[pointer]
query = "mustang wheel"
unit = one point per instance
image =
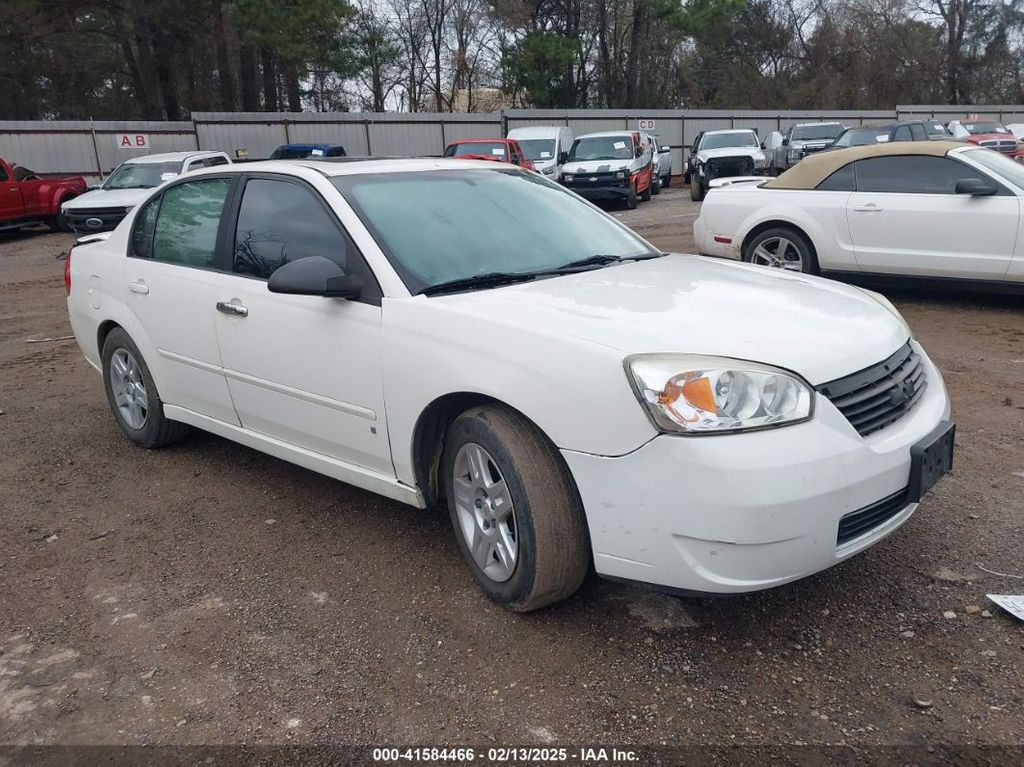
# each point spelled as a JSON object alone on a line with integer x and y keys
{"x": 782, "y": 248}
{"x": 132, "y": 394}
{"x": 516, "y": 512}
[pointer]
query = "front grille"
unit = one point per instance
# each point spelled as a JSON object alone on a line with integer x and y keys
{"x": 856, "y": 523}
{"x": 724, "y": 167}
{"x": 108, "y": 218}
{"x": 98, "y": 212}
{"x": 883, "y": 393}
{"x": 1003, "y": 145}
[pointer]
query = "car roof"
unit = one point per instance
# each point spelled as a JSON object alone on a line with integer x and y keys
{"x": 815, "y": 168}
{"x": 479, "y": 140}
{"x": 603, "y": 133}
{"x": 172, "y": 157}
{"x": 819, "y": 122}
{"x": 305, "y": 147}
{"x": 730, "y": 130}
{"x": 331, "y": 167}
{"x": 536, "y": 131}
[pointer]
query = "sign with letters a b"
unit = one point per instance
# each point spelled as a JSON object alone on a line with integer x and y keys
{"x": 132, "y": 141}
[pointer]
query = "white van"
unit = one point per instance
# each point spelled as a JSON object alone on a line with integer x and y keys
{"x": 546, "y": 146}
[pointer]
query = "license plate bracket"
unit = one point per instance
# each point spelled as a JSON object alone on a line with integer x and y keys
{"x": 930, "y": 458}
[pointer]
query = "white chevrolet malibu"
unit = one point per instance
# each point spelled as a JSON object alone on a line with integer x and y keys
{"x": 476, "y": 333}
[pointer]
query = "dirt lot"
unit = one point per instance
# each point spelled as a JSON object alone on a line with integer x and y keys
{"x": 210, "y": 594}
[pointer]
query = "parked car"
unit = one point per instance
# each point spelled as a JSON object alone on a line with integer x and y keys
{"x": 546, "y": 146}
{"x": 102, "y": 209}
{"x": 801, "y": 140}
{"x": 492, "y": 149}
{"x": 927, "y": 209}
{"x": 988, "y": 133}
{"x": 302, "y": 151}
{"x": 414, "y": 328}
{"x": 662, "y": 159}
{"x": 881, "y": 133}
{"x": 1017, "y": 129}
{"x": 610, "y": 166}
{"x": 720, "y": 154}
{"x": 26, "y": 199}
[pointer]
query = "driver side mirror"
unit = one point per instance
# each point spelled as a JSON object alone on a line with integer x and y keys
{"x": 665, "y": 148}
{"x": 314, "y": 276}
{"x": 975, "y": 187}
{"x": 563, "y": 158}
{"x": 785, "y": 141}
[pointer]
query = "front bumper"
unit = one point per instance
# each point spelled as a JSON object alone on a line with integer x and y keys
{"x": 744, "y": 512}
{"x": 602, "y": 191}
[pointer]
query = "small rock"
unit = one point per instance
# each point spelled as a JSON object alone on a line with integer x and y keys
{"x": 952, "y": 576}
{"x": 923, "y": 702}
{"x": 2, "y": 411}
{"x": 986, "y": 614}
{"x": 988, "y": 653}
{"x": 949, "y": 615}
{"x": 35, "y": 534}
{"x": 908, "y": 634}
{"x": 972, "y": 609}
{"x": 52, "y": 538}
{"x": 271, "y": 521}
{"x": 181, "y": 723}
{"x": 149, "y": 674}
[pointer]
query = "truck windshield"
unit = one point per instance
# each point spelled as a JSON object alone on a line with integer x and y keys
{"x": 985, "y": 126}
{"x": 602, "y": 148}
{"x": 142, "y": 175}
{"x": 862, "y": 137}
{"x": 811, "y": 132}
{"x": 492, "y": 149}
{"x": 728, "y": 140}
{"x": 439, "y": 226}
{"x": 538, "y": 148}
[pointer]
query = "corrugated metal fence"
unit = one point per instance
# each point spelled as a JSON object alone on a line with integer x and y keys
{"x": 91, "y": 148}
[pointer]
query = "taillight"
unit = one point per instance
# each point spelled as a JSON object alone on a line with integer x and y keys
{"x": 67, "y": 272}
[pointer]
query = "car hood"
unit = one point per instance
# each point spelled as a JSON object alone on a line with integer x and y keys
{"x": 108, "y": 198}
{"x": 596, "y": 166}
{"x": 731, "y": 151}
{"x": 818, "y": 328}
{"x": 810, "y": 143}
{"x": 977, "y": 138}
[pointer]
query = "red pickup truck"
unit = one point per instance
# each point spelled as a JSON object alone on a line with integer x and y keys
{"x": 28, "y": 200}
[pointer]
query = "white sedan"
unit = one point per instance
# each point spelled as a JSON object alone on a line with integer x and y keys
{"x": 937, "y": 210}
{"x": 472, "y": 332}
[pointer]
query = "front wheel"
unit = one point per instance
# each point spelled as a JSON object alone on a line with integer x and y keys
{"x": 655, "y": 185}
{"x": 517, "y": 515}
{"x": 697, "y": 190}
{"x": 631, "y": 198}
{"x": 666, "y": 181}
{"x": 132, "y": 394}
{"x": 782, "y": 248}
{"x": 646, "y": 194}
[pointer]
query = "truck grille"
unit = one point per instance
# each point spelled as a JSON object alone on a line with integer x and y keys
{"x": 84, "y": 220}
{"x": 856, "y": 523}
{"x": 883, "y": 393}
{"x": 1003, "y": 145}
{"x": 725, "y": 167}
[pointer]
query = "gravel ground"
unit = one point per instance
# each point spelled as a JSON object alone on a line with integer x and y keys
{"x": 210, "y": 594}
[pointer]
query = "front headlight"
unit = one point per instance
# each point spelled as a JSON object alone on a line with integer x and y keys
{"x": 759, "y": 161}
{"x": 620, "y": 175}
{"x": 548, "y": 170}
{"x": 794, "y": 155}
{"x": 567, "y": 177}
{"x": 688, "y": 394}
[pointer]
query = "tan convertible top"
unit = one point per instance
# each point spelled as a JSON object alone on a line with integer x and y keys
{"x": 812, "y": 170}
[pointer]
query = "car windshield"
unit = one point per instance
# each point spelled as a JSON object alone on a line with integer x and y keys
{"x": 811, "y": 132}
{"x": 142, "y": 175}
{"x": 602, "y": 148}
{"x": 492, "y": 149}
{"x": 296, "y": 153}
{"x": 538, "y": 148}
{"x": 936, "y": 128}
{"x": 985, "y": 126}
{"x": 726, "y": 140}
{"x": 862, "y": 137}
{"x": 1000, "y": 164}
{"x": 439, "y": 226}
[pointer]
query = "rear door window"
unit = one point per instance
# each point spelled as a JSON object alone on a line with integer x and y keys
{"x": 188, "y": 222}
{"x": 912, "y": 174}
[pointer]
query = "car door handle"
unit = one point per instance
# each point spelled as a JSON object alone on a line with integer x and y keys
{"x": 138, "y": 286}
{"x": 235, "y": 310}
{"x": 869, "y": 208}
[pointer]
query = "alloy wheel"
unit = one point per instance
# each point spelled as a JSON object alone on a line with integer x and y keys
{"x": 778, "y": 253}
{"x": 129, "y": 389}
{"x": 486, "y": 514}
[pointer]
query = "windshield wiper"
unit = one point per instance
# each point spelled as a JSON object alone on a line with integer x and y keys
{"x": 485, "y": 280}
{"x": 599, "y": 260}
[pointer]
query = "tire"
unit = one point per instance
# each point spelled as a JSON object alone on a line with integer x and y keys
{"x": 631, "y": 200}
{"x": 546, "y": 523}
{"x": 58, "y": 223}
{"x": 771, "y": 240}
{"x": 666, "y": 182}
{"x": 154, "y": 429}
{"x": 697, "y": 190}
{"x": 646, "y": 194}
{"x": 656, "y": 185}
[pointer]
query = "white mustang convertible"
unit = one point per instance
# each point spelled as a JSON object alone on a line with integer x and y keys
{"x": 927, "y": 209}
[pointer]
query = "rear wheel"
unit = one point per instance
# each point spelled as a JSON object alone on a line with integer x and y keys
{"x": 132, "y": 394}
{"x": 666, "y": 181}
{"x": 517, "y": 515}
{"x": 782, "y": 248}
